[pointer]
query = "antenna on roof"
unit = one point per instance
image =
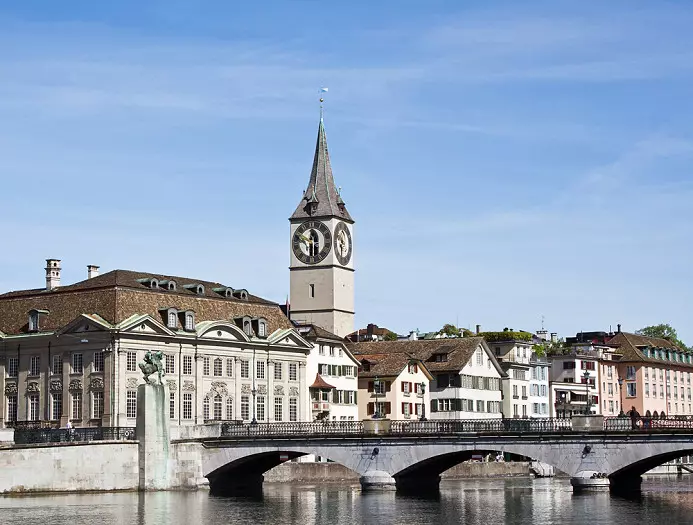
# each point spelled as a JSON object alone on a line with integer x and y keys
{"x": 542, "y": 323}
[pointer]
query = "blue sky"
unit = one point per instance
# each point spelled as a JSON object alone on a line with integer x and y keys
{"x": 504, "y": 161}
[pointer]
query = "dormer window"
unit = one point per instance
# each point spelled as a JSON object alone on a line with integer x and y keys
{"x": 149, "y": 282}
{"x": 241, "y": 294}
{"x": 172, "y": 321}
{"x": 33, "y": 321}
{"x": 224, "y": 292}
{"x": 260, "y": 326}
{"x": 189, "y": 321}
{"x": 168, "y": 285}
{"x": 195, "y": 288}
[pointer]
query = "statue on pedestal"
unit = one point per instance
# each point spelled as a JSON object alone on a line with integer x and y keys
{"x": 152, "y": 363}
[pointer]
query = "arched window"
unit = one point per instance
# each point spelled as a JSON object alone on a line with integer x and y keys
{"x": 229, "y": 408}
{"x": 205, "y": 408}
{"x": 314, "y": 247}
{"x": 172, "y": 321}
{"x": 217, "y": 407}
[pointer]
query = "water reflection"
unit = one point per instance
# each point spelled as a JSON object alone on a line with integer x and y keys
{"x": 482, "y": 502}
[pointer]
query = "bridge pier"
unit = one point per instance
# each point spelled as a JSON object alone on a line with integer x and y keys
{"x": 626, "y": 484}
{"x": 418, "y": 485}
{"x": 377, "y": 480}
{"x": 247, "y": 485}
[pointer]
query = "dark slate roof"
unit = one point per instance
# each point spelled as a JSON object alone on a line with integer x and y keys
{"x": 312, "y": 331}
{"x": 117, "y": 295}
{"x": 459, "y": 351}
{"x": 629, "y": 346}
{"x": 321, "y": 187}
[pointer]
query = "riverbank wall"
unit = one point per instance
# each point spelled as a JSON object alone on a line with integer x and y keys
{"x": 299, "y": 472}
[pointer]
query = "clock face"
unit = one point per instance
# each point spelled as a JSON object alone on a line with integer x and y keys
{"x": 342, "y": 243}
{"x": 311, "y": 242}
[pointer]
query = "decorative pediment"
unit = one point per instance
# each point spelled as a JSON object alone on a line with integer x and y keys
{"x": 56, "y": 385}
{"x": 10, "y": 389}
{"x": 32, "y": 388}
{"x": 221, "y": 330}
{"x": 219, "y": 387}
{"x": 289, "y": 337}
{"x": 144, "y": 324}
{"x": 96, "y": 383}
{"x": 75, "y": 385}
{"x": 85, "y": 323}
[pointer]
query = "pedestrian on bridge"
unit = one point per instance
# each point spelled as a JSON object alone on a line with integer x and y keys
{"x": 634, "y": 418}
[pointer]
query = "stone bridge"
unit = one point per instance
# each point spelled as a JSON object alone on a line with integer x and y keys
{"x": 414, "y": 459}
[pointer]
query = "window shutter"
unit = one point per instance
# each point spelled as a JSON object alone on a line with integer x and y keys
{"x": 388, "y": 407}
{"x": 410, "y": 408}
{"x": 411, "y": 388}
{"x": 371, "y": 386}
{"x": 416, "y": 388}
{"x": 403, "y": 408}
{"x": 388, "y": 384}
{"x": 402, "y": 386}
{"x": 434, "y": 405}
{"x": 416, "y": 368}
{"x": 371, "y": 409}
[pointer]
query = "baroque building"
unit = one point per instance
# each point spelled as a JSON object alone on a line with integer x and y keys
{"x": 72, "y": 352}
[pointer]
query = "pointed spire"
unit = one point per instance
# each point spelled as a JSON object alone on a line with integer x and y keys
{"x": 321, "y": 198}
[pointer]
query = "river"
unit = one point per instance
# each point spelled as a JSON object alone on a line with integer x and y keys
{"x": 472, "y": 502}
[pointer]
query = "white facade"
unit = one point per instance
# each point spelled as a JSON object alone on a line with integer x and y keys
{"x": 472, "y": 392}
{"x": 539, "y": 395}
{"x": 573, "y": 378}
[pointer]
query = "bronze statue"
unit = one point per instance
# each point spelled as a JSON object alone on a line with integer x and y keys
{"x": 152, "y": 363}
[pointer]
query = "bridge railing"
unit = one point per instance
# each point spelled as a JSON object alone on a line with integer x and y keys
{"x": 481, "y": 426}
{"x": 23, "y": 436}
{"x": 314, "y": 428}
{"x": 647, "y": 424}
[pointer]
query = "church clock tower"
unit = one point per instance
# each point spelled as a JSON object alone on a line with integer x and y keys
{"x": 322, "y": 263}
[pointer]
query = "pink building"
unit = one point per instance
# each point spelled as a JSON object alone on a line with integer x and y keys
{"x": 654, "y": 375}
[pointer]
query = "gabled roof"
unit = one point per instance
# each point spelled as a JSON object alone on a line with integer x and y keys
{"x": 321, "y": 190}
{"x": 631, "y": 345}
{"x": 459, "y": 351}
{"x": 389, "y": 364}
{"x": 320, "y": 383}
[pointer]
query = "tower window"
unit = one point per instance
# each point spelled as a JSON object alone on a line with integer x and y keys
{"x": 311, "y": 290}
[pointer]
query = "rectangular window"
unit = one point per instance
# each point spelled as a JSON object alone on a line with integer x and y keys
{"x": 170, "y": 367}
{"x": 293, "y": 372}
{"x": 187, "y": 365}
{"x": 278, "y": 371}
{"x": 568, "y": 365}
{"x": 245, "y": 370}
{"x": 205, "y": 366}
{"x": 229, "y": 368}
{"x": 293, "y": 409}
{"x": 77, "y": 405}
{"x": 97, "y": 405}
{"x": 218, "y": 372}
{"x": 12, "y": 407}
{"x": 611, "y": 389}
{"x": 332, "y": 351}
{"x": 630, "y": 372}
{"x": 311, "y": 291}
{"x": 217, "y": 407}
{"x": 524, "y": 410}
{"x": 98, "y": 361}
{"x": 631, "y": 389}
{"x": 229, "y": 408}
{"x": 647, "y": 389}
{"x": 260, "y": 369}
{"x": 245, "y": 408}
{"x": 132, "y": 361}
{"x": 172, "y": 405}
{"x": 35, "y": 366}
{"x": 32, "y": 408}
{"x": 647, "y": 374}
{"x": 278, "y": 406}
{"x": 479, "y": 357}
{"x": 321, "y": 350}
{"x": 56, "y": 406}
{"x": 12, "y": 366}
{"x": 524, "y": 392}
{"x": 131, "y": 404}
{"x": 260, "y": 408}
{"x": 187, "y": 406}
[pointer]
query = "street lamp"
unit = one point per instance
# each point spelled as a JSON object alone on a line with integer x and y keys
{"x": 376, "y": 391}
{"x": 586, "y": 375}
{"x": 620, "y": 390}
{"x": 422, "y": 389}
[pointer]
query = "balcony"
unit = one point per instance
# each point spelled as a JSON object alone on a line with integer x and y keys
{"x": 321, "y": 406}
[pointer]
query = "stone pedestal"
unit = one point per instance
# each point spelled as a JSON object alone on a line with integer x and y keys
{"x": 376, "y": 426}
{"x": 153, "y": 436}
{"x": 589, "y": 423}
{"x": 583, "y": 481}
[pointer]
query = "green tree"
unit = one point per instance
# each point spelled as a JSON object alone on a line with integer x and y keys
{"x": 450, "y": 330}
{"x": 550, "y": 348}
{"x": 390, "y": 336}
{"x": 663, "y": 331}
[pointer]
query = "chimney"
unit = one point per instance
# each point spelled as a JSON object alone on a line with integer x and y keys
{"x": 554, "y": 337}
{"x": 618, "y": 328}
{"x": 478, "y": 329}
{"x": 92, "y": 271}
{"x": 369, "y": 330}
{"x": 52, "y": 273}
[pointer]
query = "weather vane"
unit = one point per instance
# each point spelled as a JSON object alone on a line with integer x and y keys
{"x": 322, "y": 99}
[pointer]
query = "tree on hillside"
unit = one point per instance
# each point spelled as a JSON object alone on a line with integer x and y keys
{"x": 663, "y": 331}
{"x": 450, "y": 330}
